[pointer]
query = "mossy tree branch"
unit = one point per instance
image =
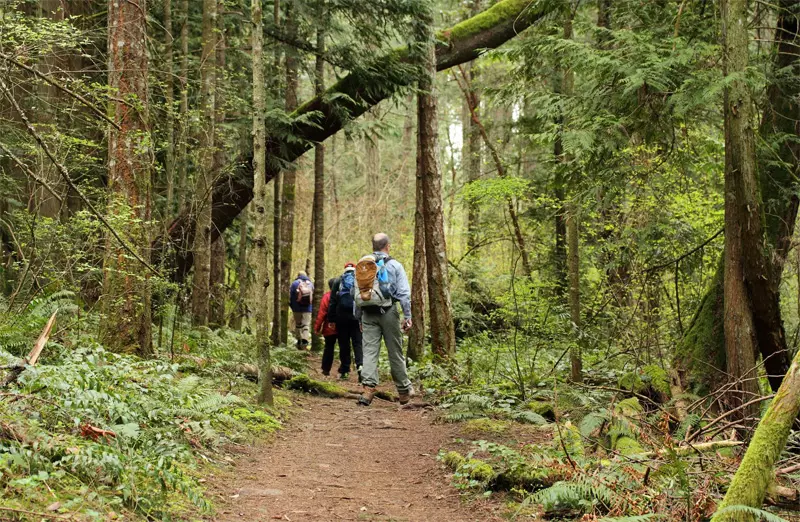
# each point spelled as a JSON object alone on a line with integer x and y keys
{"x": 326, "y": 114}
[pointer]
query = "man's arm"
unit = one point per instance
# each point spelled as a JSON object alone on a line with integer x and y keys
{"x": 293, "y": 295}
{"x": 402, "y": 290}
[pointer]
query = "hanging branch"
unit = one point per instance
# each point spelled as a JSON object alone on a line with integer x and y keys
{"x": 501, "y": 172}
{"x": 60, "y": 87}
{"x": 30, "y": 173}
{"x": 65, "y": 174}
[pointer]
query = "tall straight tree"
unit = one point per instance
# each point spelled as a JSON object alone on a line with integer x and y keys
{"x": 126, "y": 324}
{"x": 743, "y": 224}
{"x": 183, "y": 135}
{"x": 205, "y": 177}
{"x": 419, "y": 282}
{"x": 216, "y": 311}
{"x": 276, "y": 206}
{"x": 289, "y": 176}
{"x": 319, "y": 181}
{"x": 260, "y": 207}
{"x": 169, "y": 96}
{"x": 443, "y": 339}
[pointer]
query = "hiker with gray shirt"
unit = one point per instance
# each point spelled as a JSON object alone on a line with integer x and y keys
{"x": 381, "y": 282}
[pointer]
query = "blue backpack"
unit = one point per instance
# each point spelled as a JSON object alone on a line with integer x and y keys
{"x": 344, "y": 296}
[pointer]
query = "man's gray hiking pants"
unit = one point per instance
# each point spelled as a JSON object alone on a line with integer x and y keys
{"x": 386, "y": 325}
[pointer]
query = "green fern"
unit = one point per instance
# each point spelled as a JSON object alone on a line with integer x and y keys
{"x": 759, "y": 513}
{"x": 635, "y": 518}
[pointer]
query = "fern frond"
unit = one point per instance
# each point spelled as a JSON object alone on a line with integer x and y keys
{"x": 760, "y": 513}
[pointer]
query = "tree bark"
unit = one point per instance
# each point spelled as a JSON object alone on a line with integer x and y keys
{"x": 205, "y": 177}
{"x": 443, "y": 339}
{"x": 242, "y": 272}
{"x": 574, "y": 270}
{"x": 126, "y": 323}
{"x": 216, "y": 312}
{"x": 260, "y": 207}
{"x": 419, "y": 282}
{"x": 319, "y": 188}
{"x": 276, "y": 209}
{"x": 345, "y": 100}
{"x": 169, "y": 95}
{"x": 471, "y": 157}
{"x": 183, "y": 135}
{"x": 289, "y": 178}
{"x": 742, "y": 210}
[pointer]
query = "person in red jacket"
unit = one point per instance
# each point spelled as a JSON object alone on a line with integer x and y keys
{"x": 328, "y": 331}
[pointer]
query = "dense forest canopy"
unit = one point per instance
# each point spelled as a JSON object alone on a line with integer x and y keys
{"x": 594, "y": 203}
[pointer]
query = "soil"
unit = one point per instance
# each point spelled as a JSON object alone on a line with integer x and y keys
{"x": 340, "y": 461}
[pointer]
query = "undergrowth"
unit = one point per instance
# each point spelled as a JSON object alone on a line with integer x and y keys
{"x": 89, "y": 433}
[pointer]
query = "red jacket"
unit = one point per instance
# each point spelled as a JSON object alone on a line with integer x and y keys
{"x": 321, "y": 323}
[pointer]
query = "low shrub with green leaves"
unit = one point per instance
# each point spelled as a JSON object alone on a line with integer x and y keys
{"x": 101, "y": 432}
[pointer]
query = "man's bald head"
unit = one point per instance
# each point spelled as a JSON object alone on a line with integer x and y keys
{"x": 380, "y": 242}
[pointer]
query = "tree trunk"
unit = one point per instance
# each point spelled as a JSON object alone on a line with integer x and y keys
{"x": 276, "y": 205}
{"x": 205, "y": 177}
{"x": 372, "y": 163}
{"x": 242, "y": 274}
{"x": 704, "y": 339}
{"x": 419, "y": 283}
{"x": 345, "y": 100}
{"x": 183, "y": 135}
{"x": 261, "y": 217}
{"x": 574, "y": 270}
{"x": 443, "y": 340}
{"x": 471, "y": 157}
{"x": 289, "y": 178}
{"x": 126, "y": 324}
{"x": 319, "y": 189}
{"x": 216, "y": 312}
{"x": 742, "y": 211}
{"x": 572, "y": 210}
{"x": 756, "y": 472}
{"x": 169, "y": 94}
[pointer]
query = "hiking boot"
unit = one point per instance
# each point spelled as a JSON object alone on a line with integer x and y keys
{"x": 358, "y": 371}
{"x": 344, "y": 376}
{"x": 366, "y": 396}
{"x": 326, "y": 374}
{"x": 405, "y": 396}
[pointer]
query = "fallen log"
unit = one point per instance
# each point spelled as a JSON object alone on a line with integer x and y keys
{"x": 16, "y": 370}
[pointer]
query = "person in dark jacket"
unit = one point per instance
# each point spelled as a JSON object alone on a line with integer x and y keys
{"x": 341, "y": 311}
{"x": 300, "y": 294}
{"x": 327, "y": 329}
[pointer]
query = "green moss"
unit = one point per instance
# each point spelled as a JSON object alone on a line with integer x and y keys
{"x": 306, "y": 384}
{"x": 571, "y": 440}
{"x": 543, "y": 408}
{"x": 452, "y": 459}
{"x": 485, "y": 426}
{"x": 504, "y": 10}
{"x": 703, "y": 345}
{"x": 631, "y": 382}
{"x": 628, "y": 446}
{"x": 657, "y": 378}
{"x": 629, "y": 407}
{"x": 257, "y": 421}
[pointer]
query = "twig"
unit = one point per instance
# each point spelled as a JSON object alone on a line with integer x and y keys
{"x": 30, "y": 173}
{"x": 43, "y": 515}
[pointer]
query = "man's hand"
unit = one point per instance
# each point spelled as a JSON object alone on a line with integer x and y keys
{"x": 332, "y": 325}
{"x": 406, "y": 325}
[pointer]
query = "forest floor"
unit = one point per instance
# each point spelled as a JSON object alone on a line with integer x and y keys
{"x": 339, "y": 461}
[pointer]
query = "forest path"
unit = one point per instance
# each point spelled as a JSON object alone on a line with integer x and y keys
{"x": 340, "y": 461}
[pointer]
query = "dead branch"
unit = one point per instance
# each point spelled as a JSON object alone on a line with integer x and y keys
{"x": 16, "y": 370}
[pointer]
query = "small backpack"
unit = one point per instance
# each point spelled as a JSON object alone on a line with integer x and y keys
{"x": 345, "y": 295}
{"x": 305, "y": 290}
{"x": 372, "y": 280}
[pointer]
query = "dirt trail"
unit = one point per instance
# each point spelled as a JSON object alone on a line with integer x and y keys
{"x": 339, "y": 461}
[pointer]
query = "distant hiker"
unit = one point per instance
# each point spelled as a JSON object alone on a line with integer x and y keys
{"x": 381, "y": 282}
{"x": 326, "y": 328}
{"x": 342, "y": 312}
{"x": 300, "y": 295}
